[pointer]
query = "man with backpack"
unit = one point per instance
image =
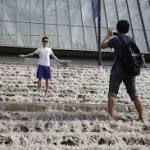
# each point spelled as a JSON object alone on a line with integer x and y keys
{"x": 125, "y": 68}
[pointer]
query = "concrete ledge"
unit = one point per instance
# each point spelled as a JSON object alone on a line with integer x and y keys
{"x": 71, "y": 107}
{"x": 63, "y": 53}
{"x": 30, "y": 107}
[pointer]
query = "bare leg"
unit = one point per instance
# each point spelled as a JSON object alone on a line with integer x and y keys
{"x": 139, "y": 108}
{"x": 39, "y": 84}
{"x": 47, "y": 85}
{"x": 111, "y": 106}
{"x": 35, "y": 82}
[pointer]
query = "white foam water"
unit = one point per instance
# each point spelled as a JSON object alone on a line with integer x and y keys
{"x": 73, "y": 115}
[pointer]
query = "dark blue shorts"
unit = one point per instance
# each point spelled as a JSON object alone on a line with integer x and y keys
{"x": 43, "y": 72}
{"x": 116, "y": 80}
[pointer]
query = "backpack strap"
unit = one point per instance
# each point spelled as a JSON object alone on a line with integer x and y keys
{"x": 123, "y": 41}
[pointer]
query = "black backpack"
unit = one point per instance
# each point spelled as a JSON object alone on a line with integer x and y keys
{"x": 131, "y": 59}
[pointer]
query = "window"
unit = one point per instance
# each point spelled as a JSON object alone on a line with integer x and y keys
{"x": 10, "y": 10}
{"x": 51, "y": 33}
{"x": 75, "y": 12}
{"x": 140, "y": 40}
{"x": 10, "y": 34}
{"x": 103, "y": 16}
{"x": 23, "y": 36}
{"x": 1, "y": 32}
{"x": 24, "y": 10}
{"x": 122, "y": 10}
{"x": 90, "y": 38}
{"x": 111, "y": 13}
{"x": 36, "y": 11}
{"x": 50, "y": 11}
{"x": 36, "y": 34}
{"x": 77, "y": 37}
{"x": 1, "y": 9}
{"x": 62, "y": 12}
{"x": 64, "y": 37}
{"x": 137, "y": 25}
{"x": 87, "y": 13}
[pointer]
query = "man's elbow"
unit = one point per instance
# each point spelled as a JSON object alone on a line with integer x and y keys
{"x": 103, "y": 46}
{"x": 53, "y": 56}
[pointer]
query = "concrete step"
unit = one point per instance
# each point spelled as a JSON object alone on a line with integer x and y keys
{"x": 73, "y": 115}
{"x": 66, "y": 107}
{"x": 76, "y": 140}
{"x": 68, "y": 111}
{"x": 72, "y": 84}
{"x": 28, "y": 125}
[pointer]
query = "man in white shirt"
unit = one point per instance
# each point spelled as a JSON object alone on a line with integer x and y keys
{"x": 43, "y": 70}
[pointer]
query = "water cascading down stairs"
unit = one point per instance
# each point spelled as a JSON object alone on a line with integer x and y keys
{"x": 72, "y": 116}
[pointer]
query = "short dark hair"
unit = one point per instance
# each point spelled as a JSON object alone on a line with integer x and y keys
{"x": 123, "y": 26}
{"x": 45, "y": 38}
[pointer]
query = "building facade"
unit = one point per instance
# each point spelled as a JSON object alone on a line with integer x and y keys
{"x": 69, "y": 23}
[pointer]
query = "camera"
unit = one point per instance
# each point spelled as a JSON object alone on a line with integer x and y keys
{"x": 115, "y": 33}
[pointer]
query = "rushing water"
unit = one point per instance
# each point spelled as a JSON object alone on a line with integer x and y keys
{"x": 72, "y": 116}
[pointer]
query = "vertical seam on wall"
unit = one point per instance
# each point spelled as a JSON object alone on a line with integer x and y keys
{"x": 82, "y": 24}
{"x": 130, "y": 19}
{"x": 143, "y": 25}
{"x": 2, "y": 22}
{"x": 17, "y": 24}
{"x": 57, "y": 24}
{"x": 43, "y": 17}
{"x": 69, "y": 22}
{"x": 116, "y": 9}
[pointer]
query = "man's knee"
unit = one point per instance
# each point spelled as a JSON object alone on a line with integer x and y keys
{"x": 111, "y": 98}
{"x": 134, "y": 98}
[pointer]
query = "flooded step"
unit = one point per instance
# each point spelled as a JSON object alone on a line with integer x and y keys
{"x": 77, "y": 126}
{"x": 66, "y": 107}
{"x": 73, "y": 116}
{"x": 54, "y": 115}
{"x": 72, "y": 84}
{"x": 74, "y": 139}
{"x": 82, "y": 147}
{"x": 69, "y": 116}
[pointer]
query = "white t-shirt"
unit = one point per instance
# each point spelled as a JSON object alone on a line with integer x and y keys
{"x": 44, "y": 55}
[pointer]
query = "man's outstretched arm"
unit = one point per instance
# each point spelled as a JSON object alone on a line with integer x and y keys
{"x": 27, "y": 55}
{"x": 59, "y": 61}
